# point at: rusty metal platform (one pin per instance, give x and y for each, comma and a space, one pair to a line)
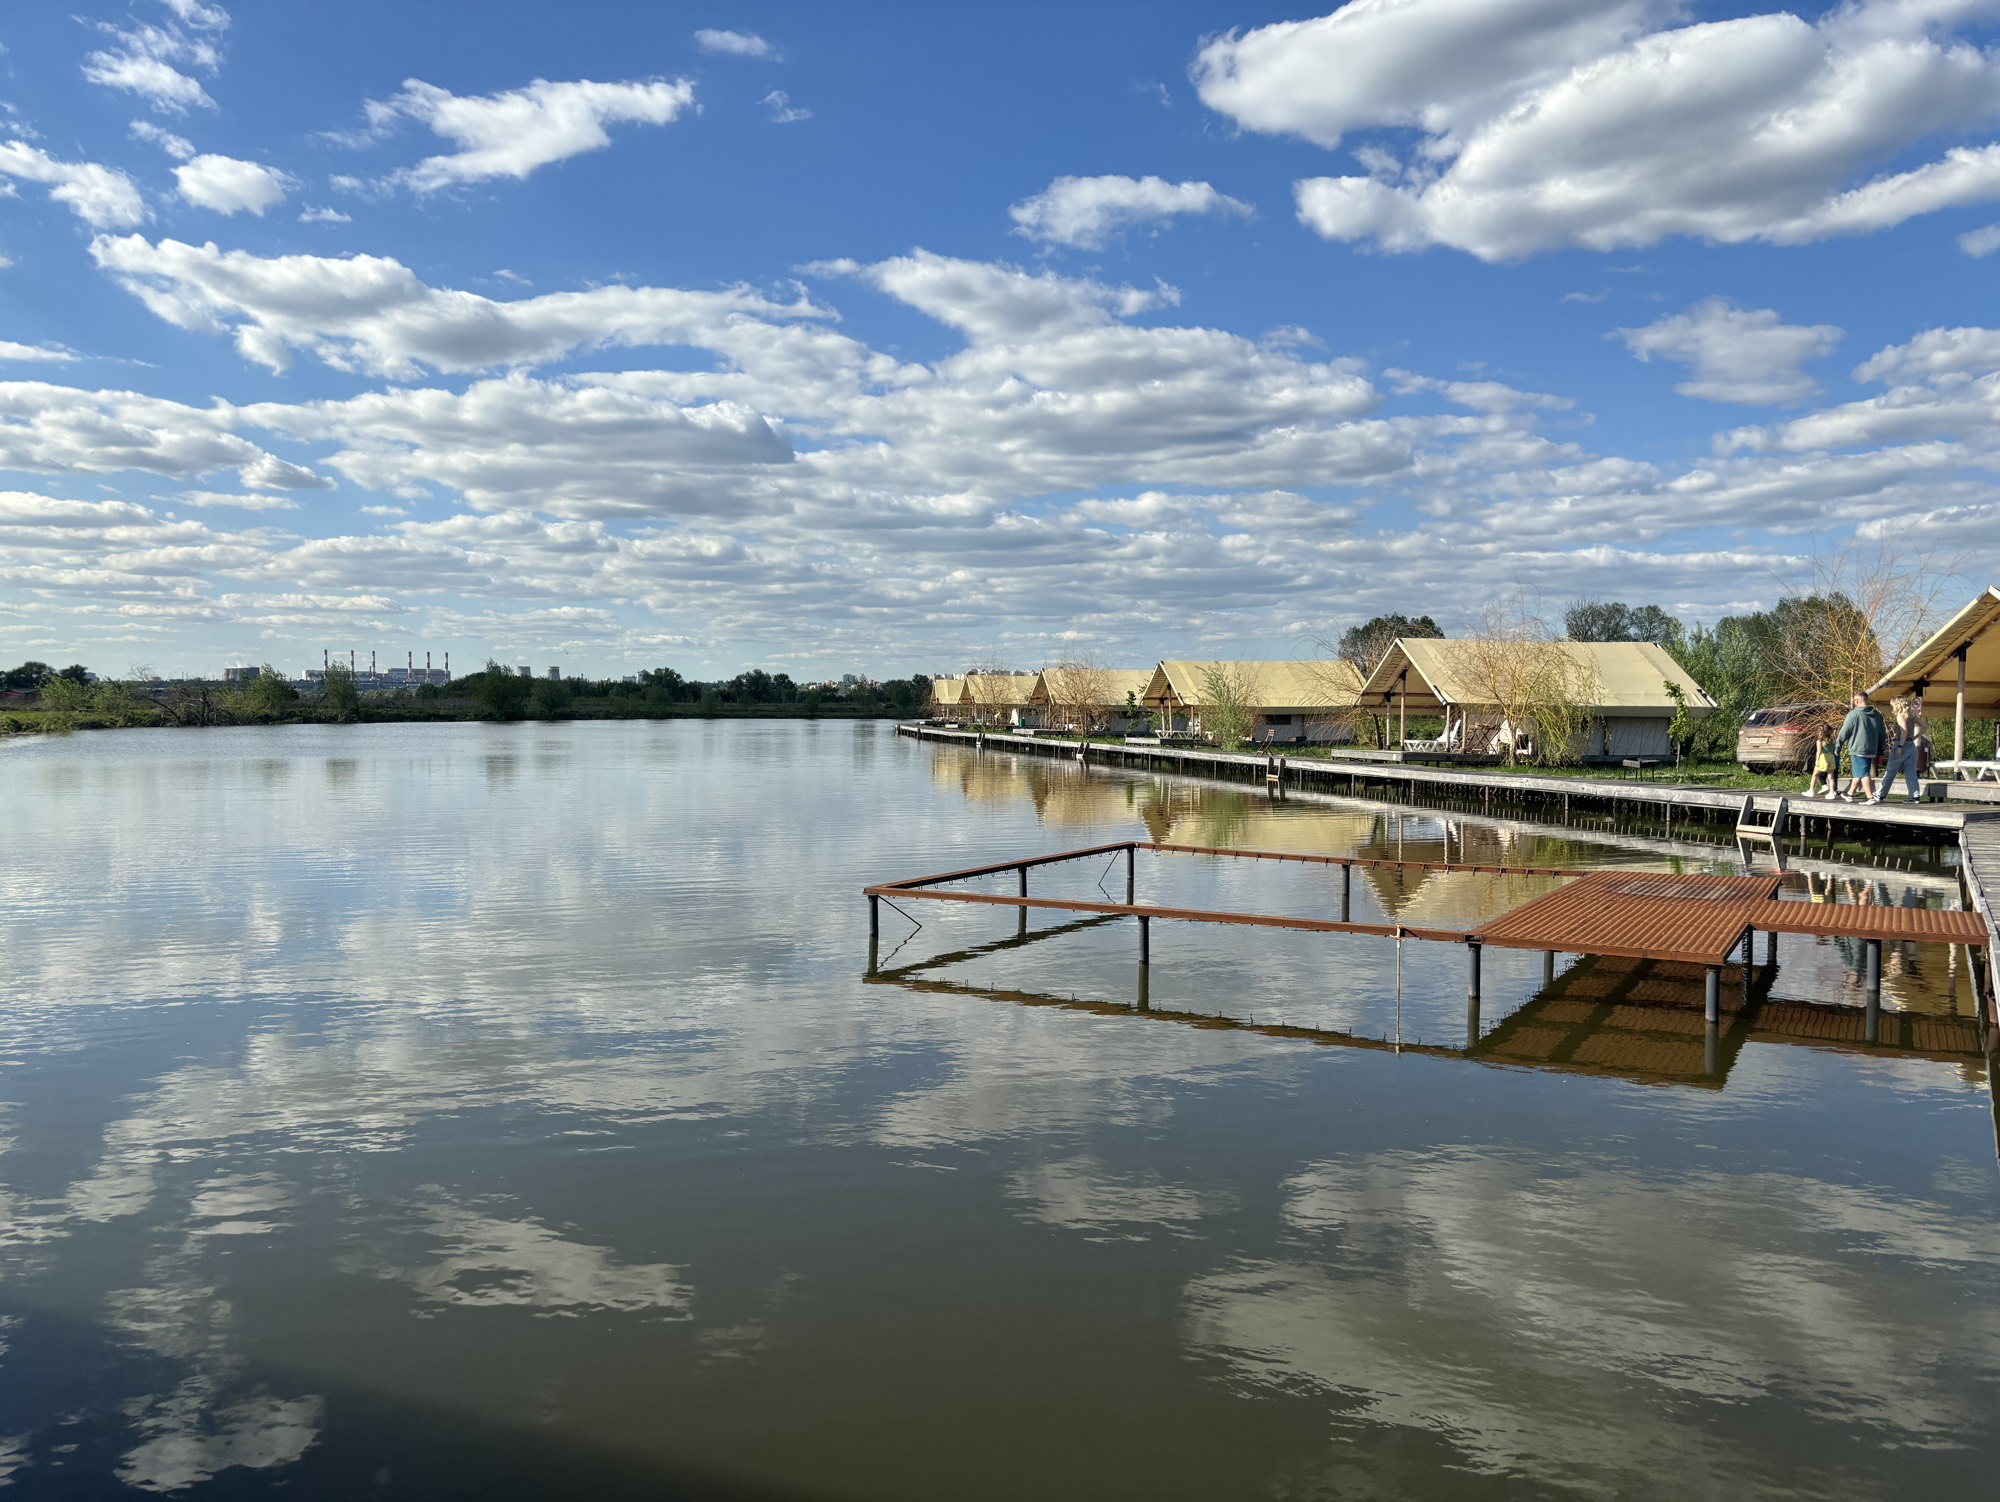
1698, 920
1674, 918
1922, 925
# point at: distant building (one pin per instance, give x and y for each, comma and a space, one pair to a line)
524, 670
555, 675
241, 674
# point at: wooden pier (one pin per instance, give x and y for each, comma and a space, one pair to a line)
1459, 787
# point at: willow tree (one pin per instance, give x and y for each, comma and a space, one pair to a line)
1539, 687
1870, 605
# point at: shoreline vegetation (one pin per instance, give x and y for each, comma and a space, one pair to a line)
40, 700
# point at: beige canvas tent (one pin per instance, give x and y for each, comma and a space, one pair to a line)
947, 698
999, 697
1294, 701
1962, 660
1622, 687
1059, 692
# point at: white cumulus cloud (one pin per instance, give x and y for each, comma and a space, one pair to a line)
179, 147
733, 43
1087, 212
511, 134
991, 302
1508, 127
229, 185
102, 197
783, 111
373, 313
1746, 355
150, 60
35, 353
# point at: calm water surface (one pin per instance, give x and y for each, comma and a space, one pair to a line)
510, 1110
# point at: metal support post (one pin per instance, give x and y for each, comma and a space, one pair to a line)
1024, 883
1471, 1021
1346, 893
1749, 949
1711, 1004
1873, 1029
1145, 940
1472, 971
1548, 967
1711, 1036
874, 917
1771, 948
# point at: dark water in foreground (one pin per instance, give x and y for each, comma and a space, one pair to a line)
502, 1110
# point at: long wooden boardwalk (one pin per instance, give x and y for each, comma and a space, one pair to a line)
1934, 822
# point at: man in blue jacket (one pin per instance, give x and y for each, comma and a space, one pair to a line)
1864, 737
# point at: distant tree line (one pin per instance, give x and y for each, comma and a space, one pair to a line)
74, 698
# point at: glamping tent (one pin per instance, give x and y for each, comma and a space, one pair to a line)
1059, 692
999, 698
1293, 701
947, 699
1620, 685
1962, 661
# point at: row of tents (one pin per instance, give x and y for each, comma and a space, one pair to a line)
1624, 696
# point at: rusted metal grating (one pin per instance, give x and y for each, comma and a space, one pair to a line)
1699, 919
1924, 925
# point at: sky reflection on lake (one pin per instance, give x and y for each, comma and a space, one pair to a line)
504, 1109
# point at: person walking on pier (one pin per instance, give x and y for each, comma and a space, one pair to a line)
1825, 765
1863, 737
1906, 740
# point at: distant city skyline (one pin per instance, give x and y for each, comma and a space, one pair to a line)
832, 339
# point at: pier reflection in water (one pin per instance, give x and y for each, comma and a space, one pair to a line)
503, 1111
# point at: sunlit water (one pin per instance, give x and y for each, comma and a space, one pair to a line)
509, 1110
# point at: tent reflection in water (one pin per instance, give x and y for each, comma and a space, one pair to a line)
1962, 658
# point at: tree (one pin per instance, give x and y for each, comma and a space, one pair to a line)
64, 694
1080, 695
1611, 620
340, 698
1870, 605
78, 674
500, 693
1364, 646
1539, 689
267, 696
29, 675
1229, 696
550, 697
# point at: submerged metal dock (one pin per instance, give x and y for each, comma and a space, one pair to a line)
1699, 920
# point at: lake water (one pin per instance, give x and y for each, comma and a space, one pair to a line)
509, 1110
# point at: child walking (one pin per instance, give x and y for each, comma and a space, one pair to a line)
1825, 769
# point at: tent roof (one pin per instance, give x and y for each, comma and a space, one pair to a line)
947, 690
1629, 677
1325, 684
1976, 628
1118, 682
999, 690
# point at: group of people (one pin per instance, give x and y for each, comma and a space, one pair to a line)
1876, 750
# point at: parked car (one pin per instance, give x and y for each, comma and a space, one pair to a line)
1781, 737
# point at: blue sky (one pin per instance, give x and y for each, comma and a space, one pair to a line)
887, 338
